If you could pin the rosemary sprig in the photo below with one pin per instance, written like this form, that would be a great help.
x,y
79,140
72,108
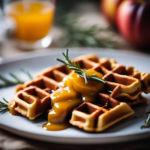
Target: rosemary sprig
x,y
7,82
78,70
147,122
27,73
3,106
75,35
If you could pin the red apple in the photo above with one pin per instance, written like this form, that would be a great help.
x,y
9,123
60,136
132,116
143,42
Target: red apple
x,y
133,22
109,9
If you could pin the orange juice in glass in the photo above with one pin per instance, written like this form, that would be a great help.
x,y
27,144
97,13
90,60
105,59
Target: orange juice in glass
x,y
33,22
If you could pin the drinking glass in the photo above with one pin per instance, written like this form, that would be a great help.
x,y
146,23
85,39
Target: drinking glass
x,y
32,22
2,26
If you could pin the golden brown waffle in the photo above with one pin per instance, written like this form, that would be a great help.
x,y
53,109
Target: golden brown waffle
x,y
107,66
139,100
121,81
48,79
143,77
122,86
99,117
124,83
31,102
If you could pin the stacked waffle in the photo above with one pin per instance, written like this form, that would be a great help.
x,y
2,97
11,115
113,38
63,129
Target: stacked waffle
x,y
124,85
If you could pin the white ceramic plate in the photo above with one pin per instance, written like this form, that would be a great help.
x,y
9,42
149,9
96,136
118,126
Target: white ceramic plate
x,y
126,130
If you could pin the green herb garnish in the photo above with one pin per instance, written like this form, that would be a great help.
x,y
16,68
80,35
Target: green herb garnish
x,y
147,122
3,106
75,34
78,70
7,82
27,73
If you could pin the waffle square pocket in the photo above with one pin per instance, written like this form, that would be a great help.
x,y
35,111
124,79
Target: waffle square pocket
x,y
47,79
99,117
31,102
119,80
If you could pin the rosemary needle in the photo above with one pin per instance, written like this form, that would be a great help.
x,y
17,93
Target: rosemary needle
x,y
27,73
7,82
75,35
147,122
78,70
3,105
16,78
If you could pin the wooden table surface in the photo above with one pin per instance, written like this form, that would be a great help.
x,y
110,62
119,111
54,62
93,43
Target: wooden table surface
x,y
10,141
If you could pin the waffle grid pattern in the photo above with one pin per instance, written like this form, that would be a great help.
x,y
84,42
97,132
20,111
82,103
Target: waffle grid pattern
x,y
125,85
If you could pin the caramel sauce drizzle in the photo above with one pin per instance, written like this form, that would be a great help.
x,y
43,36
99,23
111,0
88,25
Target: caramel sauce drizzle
x,y
71,93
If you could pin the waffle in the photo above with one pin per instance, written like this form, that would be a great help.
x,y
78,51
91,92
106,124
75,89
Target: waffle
x,y
124,83
139,100
48,79
110,66
31,102
143,77
99,117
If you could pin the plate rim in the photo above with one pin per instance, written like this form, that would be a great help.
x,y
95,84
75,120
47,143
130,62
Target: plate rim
x,y
76,140
55,51
122,138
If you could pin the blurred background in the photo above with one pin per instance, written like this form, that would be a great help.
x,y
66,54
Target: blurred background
x,y
27,25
